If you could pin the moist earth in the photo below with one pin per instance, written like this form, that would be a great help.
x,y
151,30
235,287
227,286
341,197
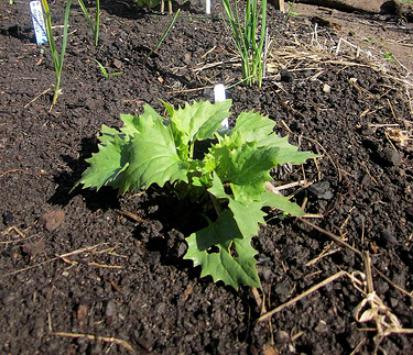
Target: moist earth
x,y
93,272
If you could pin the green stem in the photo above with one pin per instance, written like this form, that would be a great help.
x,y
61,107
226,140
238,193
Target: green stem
x,y
97,22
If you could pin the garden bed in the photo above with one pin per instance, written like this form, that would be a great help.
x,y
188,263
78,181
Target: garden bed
x,y
91,272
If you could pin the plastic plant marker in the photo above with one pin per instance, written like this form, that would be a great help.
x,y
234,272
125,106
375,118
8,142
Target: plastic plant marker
x,y
219,96
208,7
38,22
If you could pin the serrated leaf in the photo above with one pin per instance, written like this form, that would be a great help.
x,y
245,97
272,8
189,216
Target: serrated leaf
x,y
129,124
107,134
248,215
153,158
220,264
200,120
253,127
246,168
286,152
105,166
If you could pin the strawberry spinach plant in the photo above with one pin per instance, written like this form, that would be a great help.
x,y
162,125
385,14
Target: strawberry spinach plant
x,y
151,149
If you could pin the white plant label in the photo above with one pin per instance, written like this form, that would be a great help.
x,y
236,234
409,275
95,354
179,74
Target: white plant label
x,y
219,95
38,22
208,7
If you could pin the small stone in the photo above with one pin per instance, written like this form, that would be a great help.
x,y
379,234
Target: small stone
x,y
111,311
321,190
187,58
8,298
8,217
326,88
365,181
34,249
388,237
394,302
91,104
321,327
286,76
81,314
117,63
181,250
282,337
52,220
390,156
134,259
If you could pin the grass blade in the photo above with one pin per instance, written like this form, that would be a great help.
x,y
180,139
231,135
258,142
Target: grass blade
x,y
166,32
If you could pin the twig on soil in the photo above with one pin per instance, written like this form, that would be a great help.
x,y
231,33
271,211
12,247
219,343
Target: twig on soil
x,y
97,338
14,229
331,236
327,155
234,61
190,90
62,257
302,295
37,97
104,266
133,216
277,189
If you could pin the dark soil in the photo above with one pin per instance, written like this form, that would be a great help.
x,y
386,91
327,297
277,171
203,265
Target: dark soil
x,y
130,282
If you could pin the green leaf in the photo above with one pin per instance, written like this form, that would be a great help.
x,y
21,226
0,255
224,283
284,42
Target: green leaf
x,y
200,120
152,154
245,167
105,166
129,124
222,264
248,215
286,152
282,203
253,127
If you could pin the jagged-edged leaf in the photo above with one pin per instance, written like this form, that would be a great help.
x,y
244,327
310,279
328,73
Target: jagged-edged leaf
x,y
107,134
152,154
245,167
129,124
253,127
282,203
223,254
286,152
105,166
199,120
248,215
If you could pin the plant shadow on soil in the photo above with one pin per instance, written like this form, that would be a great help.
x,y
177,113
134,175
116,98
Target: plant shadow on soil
x,y
104,199
168,218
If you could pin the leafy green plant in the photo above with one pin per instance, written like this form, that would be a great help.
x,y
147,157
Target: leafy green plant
x,y
150,149
93,25
57,58
249,45
105,73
